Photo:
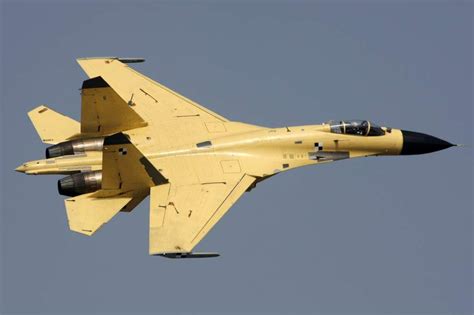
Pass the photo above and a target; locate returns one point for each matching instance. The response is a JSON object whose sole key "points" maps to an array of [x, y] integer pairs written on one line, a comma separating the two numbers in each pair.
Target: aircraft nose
{"points": [[420, 143]]}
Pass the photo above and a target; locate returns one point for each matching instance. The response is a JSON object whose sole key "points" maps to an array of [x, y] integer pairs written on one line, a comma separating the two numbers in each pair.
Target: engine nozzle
{"points": [[80, 183], [74, 147]]}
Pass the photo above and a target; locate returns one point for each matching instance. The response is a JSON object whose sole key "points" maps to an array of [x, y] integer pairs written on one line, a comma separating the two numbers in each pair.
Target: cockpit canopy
{"points": [[355, 127]]}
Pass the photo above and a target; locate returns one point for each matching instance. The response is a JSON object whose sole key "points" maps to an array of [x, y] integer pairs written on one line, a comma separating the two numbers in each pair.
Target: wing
{"points": [[180, 216], [103, 111], [171, 119], [152, 101], [189, 193]]}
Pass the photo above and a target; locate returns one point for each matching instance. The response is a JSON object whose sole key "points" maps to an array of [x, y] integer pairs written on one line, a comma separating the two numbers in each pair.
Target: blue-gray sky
{"points": [[369, 236]]}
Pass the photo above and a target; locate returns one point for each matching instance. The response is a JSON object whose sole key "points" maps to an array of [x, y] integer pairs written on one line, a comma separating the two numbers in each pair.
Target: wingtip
{"points": [[188, 255], [85, 59], [131, 60], [123, 60]]}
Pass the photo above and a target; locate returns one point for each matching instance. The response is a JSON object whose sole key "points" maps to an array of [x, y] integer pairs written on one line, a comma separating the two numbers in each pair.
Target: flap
{"points": [[103, 111]]}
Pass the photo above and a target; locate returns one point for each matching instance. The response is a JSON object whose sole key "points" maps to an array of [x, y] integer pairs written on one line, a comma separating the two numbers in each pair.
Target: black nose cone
{"points": [[420, 143]]}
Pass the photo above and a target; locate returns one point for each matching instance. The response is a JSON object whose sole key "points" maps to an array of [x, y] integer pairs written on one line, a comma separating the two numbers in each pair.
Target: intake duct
{"points": [[81, 183], [74, 147]]}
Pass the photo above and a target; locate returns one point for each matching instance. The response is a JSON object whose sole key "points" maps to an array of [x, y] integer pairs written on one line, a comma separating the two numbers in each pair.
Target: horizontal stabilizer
{"points": [[53, 127], [87, 213]]}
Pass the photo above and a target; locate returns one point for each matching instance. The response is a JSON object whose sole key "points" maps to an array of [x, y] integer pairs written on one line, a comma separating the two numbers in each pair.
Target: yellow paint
{"points": [[193, 162]]}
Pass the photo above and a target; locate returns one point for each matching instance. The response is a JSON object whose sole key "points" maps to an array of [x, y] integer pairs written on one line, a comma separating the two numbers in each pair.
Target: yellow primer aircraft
{"points": [[137, 138]]}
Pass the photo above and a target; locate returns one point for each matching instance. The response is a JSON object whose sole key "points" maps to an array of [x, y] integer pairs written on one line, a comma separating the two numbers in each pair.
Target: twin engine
{"points": [[80, 183]]}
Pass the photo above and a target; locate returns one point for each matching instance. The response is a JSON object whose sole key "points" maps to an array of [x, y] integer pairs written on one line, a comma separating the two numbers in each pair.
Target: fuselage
{"points": [[255, 150]]}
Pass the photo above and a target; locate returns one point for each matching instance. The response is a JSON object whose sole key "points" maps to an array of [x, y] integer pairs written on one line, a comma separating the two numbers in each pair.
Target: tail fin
{"points": [[53, 127]]}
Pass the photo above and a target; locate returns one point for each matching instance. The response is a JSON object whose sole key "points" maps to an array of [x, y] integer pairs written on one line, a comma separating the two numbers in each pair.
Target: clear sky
{"points": [[367, 236]]}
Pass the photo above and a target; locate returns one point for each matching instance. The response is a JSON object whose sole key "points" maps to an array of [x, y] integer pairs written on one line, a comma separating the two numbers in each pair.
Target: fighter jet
{"points": [[137, 137]]}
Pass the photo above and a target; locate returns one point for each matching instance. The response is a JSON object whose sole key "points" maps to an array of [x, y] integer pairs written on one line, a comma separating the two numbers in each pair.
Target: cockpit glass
{"points": [[355, 127], [336, 127]]}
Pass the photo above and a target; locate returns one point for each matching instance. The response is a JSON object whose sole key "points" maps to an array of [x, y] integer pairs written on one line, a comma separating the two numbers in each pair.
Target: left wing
{"points": [[103, 111], [180, 216]]}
